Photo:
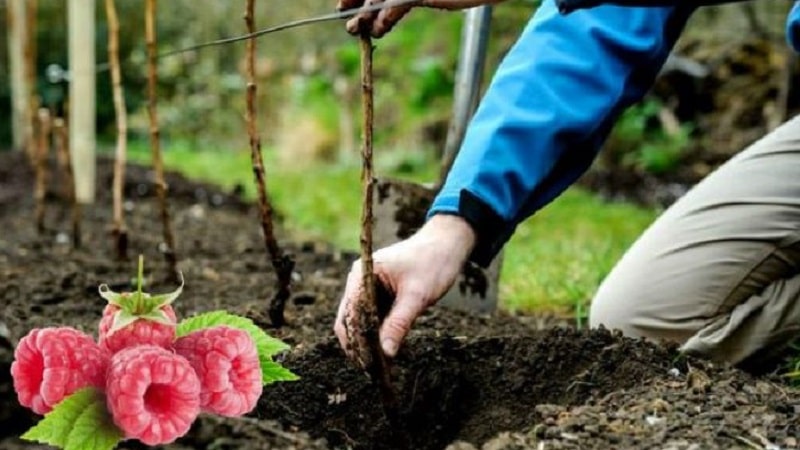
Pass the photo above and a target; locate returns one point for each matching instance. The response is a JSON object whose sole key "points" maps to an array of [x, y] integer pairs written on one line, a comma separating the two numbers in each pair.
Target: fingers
{"points": [[387, 19], [348, 4], [351, 294], [408, 305], [363, 21], [378, 23]]}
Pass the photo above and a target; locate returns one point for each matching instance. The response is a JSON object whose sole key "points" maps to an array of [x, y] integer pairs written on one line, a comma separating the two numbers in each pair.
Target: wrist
{"points": [[452, 233]]}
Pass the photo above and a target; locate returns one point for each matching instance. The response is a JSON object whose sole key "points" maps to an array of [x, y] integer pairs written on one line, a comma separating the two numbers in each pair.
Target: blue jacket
{"points": [[550, 106]]}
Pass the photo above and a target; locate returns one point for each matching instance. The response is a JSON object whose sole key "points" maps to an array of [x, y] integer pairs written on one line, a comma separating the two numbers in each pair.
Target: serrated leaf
{"points": [[94, 430], [266, 345], [273, 372], [76, 423]]}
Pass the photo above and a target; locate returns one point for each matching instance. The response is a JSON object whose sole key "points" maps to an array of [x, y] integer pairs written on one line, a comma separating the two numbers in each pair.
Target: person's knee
{"points": [[614, 312]]}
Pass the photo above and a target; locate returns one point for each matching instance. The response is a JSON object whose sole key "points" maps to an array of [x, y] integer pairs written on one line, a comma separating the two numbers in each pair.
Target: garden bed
{"points": [[463, 381]]}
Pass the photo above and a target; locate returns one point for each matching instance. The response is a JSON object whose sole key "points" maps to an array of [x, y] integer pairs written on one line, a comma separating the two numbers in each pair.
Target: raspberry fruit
{"points": [[226, 360], [152, 393], [137, 318], [141, 331], [52, 363]]}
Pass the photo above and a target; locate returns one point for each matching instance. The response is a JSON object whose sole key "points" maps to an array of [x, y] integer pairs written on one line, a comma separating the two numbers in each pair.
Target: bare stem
{"points": [[158, 164], [29, 52], [61, 137], [281, 263], [367, 310], [119, 231], [42, 153]]}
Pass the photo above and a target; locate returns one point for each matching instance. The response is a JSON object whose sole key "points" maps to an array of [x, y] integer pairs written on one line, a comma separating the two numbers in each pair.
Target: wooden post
{"points": [[82, 109], [21, 118]]}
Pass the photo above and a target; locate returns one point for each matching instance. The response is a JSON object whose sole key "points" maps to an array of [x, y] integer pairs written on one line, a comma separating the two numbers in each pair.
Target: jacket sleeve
{"points": [[548, 109]]}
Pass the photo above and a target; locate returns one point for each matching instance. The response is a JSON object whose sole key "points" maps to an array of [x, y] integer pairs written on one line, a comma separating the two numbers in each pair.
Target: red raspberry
{"points": [[227, 363], [152, 393], [52, 363], [139, 332]]}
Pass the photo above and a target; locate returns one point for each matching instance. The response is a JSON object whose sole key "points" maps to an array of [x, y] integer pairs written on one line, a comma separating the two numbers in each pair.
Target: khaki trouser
{"points": [[719, 271]]}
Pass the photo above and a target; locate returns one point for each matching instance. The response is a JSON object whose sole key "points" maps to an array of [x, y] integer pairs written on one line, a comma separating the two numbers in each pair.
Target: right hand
{"points": [[378, 23], [418, 271]]}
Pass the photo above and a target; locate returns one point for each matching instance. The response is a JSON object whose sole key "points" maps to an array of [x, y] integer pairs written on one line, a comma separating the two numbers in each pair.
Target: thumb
{"points": [[409, 304]]}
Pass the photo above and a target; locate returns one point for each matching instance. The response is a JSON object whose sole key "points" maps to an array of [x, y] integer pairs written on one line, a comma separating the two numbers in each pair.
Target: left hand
{"points": [[378, 23]]}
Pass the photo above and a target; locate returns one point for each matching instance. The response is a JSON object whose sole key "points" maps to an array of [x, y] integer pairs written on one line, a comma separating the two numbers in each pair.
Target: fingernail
{"points": [[389, 346]]}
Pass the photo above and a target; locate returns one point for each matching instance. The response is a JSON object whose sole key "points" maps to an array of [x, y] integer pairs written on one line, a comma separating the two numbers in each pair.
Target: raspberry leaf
{"points": [[272, 372], [79, 422], [266, 345], [94, 430]]}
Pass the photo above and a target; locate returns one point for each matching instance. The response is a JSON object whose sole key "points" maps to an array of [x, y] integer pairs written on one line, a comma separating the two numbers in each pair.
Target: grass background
{"points": [[554, 262]]}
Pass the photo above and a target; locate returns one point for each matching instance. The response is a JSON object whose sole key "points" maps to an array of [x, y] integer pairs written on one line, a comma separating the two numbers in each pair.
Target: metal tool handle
{"points": [[471, 62]]}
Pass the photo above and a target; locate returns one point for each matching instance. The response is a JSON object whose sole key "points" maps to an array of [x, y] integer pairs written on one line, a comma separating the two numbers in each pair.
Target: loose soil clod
{"points": [[500, 382]]}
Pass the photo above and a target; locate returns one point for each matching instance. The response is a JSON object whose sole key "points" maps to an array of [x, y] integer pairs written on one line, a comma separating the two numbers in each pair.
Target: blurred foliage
{"points": [[584, 235], [309, 105], [305, 71], [639, 141]]}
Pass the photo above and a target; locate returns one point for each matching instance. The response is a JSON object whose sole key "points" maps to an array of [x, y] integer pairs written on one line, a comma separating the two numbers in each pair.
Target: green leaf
{"points": [[155, 302], [272, 372], [112, 297], [266, 345], [94, 430], [79, 422], [138, 303], [122, 319]]}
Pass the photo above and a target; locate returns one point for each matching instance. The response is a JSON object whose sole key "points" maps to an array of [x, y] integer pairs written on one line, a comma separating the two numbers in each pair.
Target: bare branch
{"points": [[281, 263], [118, 231], [155, 144]]}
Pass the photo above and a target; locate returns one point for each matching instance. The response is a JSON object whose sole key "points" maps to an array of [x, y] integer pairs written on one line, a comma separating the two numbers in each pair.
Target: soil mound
{"points": [[463, 381]]}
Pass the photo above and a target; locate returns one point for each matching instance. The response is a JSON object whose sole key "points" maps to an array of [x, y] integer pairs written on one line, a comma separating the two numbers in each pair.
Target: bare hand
{"points": [[378, 23], [417, 271]]}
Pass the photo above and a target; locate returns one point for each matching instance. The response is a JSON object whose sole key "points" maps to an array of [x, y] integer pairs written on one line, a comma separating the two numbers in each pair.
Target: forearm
{"points": [[548, 109]]}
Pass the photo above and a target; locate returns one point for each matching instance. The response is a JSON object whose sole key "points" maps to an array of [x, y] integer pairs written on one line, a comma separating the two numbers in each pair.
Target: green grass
{"points": [[557, 258], [554, 262]]}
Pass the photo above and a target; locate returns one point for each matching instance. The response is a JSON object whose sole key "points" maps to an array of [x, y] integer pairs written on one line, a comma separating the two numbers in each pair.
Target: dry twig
{"points": [[42, 154], [119, 231], [364, 335], [158, 164], [282, 263], [61, 138]]}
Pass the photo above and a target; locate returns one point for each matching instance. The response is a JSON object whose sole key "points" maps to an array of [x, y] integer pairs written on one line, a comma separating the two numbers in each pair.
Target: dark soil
{"points": [[464, 381]]}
